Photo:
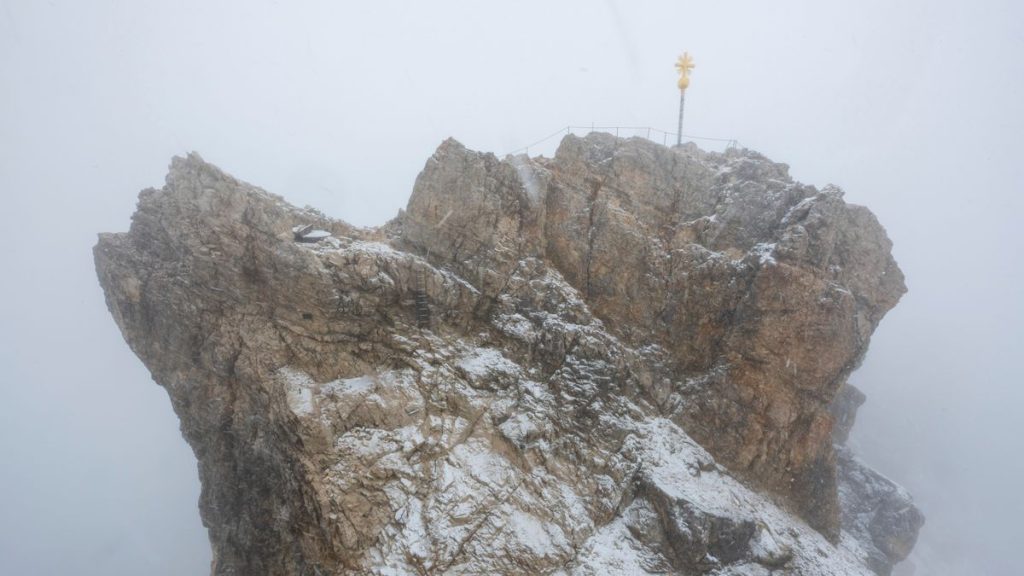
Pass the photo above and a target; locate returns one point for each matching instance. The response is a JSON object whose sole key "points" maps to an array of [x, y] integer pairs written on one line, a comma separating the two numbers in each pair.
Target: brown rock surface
{"points": [[587, 313], [764, 292]]}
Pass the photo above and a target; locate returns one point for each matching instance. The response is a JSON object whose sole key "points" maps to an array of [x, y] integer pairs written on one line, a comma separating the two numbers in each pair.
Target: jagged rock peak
{"points": [[621, 359], [762, 292]]}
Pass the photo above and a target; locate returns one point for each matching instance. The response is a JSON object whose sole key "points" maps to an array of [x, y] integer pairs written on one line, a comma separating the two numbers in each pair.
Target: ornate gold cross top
{"points": [[684, 64]]}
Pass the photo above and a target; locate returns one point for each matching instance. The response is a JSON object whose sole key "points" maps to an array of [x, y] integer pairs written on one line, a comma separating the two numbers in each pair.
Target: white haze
{"points": [[914, 108]]}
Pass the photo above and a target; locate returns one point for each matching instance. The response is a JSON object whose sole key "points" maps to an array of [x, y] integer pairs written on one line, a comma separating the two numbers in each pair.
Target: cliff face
{"points": [[619, 360]]}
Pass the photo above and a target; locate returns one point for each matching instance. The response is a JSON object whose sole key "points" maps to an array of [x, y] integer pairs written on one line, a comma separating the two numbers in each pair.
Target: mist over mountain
{"points": [[912, 109]]}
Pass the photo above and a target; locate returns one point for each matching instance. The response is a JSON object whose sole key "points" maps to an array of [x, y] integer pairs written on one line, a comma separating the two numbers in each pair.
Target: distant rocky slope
{"points": [[625, 359]]}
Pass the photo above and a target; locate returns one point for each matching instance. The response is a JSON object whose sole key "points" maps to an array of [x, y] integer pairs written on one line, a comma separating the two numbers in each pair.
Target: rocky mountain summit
{"points": [[626, 359]]}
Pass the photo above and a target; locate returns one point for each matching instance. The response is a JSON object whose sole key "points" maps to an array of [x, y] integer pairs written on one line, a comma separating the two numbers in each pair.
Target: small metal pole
{"points": [[682, 104]]}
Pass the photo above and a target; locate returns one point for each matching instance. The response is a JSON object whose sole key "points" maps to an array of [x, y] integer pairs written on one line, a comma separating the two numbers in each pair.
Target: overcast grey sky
{"points": [[914, 108]]}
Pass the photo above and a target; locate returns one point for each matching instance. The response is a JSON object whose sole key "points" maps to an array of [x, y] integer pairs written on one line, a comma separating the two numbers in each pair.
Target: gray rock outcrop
{"points": [[626, 365]]}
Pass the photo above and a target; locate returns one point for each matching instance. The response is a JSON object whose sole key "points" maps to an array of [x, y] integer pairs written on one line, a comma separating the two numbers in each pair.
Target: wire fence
{"points": [[653, 134]]}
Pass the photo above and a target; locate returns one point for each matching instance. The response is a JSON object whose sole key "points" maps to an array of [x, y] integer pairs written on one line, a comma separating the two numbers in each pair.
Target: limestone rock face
{"points": [[761, 292], [877, 512], [628, 365]]}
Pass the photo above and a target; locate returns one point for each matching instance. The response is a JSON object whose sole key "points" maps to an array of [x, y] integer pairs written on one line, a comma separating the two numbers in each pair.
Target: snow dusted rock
{"points": [[762, 291], [877, 512], [589, 314]]}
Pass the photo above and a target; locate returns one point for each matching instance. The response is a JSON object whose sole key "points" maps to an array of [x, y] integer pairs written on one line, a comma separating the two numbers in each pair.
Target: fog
{"points": [[914, 108]]}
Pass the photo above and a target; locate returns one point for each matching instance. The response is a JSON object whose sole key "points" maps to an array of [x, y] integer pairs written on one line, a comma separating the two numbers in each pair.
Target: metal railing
{"points": [[664, 137]]}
